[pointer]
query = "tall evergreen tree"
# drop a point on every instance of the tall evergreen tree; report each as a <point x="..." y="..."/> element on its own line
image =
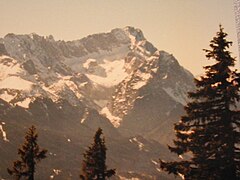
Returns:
<point x="30" y="154"/>
<point x="210" y="131"/>
<point x="94" y="162"/>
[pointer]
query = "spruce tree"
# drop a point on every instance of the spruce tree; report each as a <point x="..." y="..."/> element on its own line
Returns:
<point x="209" y="132"/>
<point x="30" y="154"/>
<point x="94" y="162"/>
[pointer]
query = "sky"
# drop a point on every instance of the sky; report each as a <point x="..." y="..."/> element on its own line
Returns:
<point x="180" y="27"/>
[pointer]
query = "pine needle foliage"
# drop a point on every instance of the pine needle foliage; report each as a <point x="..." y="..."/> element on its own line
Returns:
<point x="210" y="130"/>
<point x="94" y="162"/>
<point x="30" y="154"/>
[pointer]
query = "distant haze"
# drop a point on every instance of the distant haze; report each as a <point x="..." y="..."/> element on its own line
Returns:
<point x="180" y="27"/>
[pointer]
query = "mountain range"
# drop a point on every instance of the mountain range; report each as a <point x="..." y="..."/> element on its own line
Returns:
<point x="116" y="80"/>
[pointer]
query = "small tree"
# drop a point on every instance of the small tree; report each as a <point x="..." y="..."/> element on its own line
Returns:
<point x="210" y="130"/>
<point x="30" y="155"/>
<point x="94" y="162"/>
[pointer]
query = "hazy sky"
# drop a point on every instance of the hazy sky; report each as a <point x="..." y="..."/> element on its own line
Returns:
<point x="180" y="27"/>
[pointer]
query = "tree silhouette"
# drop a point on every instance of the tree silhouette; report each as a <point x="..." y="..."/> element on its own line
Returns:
<point x="209" y="132"/>
<point x="94" y="162"/>
<point x="30" y="155"/>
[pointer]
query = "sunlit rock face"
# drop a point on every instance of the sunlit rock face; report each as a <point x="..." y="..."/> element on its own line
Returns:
<point x="116" y="80"/>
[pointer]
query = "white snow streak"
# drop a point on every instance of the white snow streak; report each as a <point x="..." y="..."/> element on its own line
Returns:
<point x="4" y="134"/>
<point x="165" y="77"/>
<point x="89" y="62"/>
<point x="180" y="156"/>
<point x="187" y="132"/>
<point x="140" y="145"/>
<point x="113" y="119"/>
<point x="155" y="162"/>
<point x="85" y="115"/>
<point x="181" y="176"/>
<point x="139" y="84"/>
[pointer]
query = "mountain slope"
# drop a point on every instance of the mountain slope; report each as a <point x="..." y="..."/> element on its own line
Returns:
<point x="151" y="98"/>
<point x="117" y="80"/>
<point x="66" y="130"/>
<point x="100" y="57"/>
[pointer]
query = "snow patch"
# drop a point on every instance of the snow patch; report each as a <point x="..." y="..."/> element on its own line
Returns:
<point x="32" y="35"/>
<point x="165" y="77"/>
<point x="83" y="84"/>
<point x="7" y="97"/>
<point x="139" y="97"/>
<point x="89" y="62"/>
<point x="180" y="156"/>
<point x="140" y="144"/>
<point x="9" y="67"/>
<point x="155" y="162"/>
<point x="64" y="84"/>
<point x="154" y="70"/>
<point x="55" y="173"/>
<point x="111" y="55"/>
<point x="4" y="134"/>
<point x="85" y="115"/>
<point x="25" y="103"/>
<point x="113" y="119"/>
<point x="144" y="77"/>
<point x="14" y="82"/>
<point x="139" y="84"/>
<point x="115" y="73"/>
<point x="52" y="154"/>
<point x="187" y="132"/>
<point x="181" y="176"/>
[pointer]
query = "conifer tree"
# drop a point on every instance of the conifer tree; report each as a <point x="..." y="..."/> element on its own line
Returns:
<point x="30" y="154"/>
<point x="209" y="132"/>
<point x="94" y="162"/>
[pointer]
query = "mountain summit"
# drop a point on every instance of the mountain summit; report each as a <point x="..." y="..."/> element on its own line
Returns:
<point x="117" y="81"/>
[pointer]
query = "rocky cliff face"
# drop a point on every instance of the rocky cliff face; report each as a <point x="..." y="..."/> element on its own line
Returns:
<point x="117" y="80"/>
<point x="99" y="58"/>
<point x="152" y="99"/>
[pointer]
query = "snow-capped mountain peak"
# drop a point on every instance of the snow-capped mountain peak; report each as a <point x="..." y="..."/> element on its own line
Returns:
<point x="107" y="68"/>
<point x="135" y="35"/>
<point x="67" y="87"/>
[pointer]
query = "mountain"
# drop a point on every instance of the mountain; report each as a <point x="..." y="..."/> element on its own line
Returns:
<point x="151" y="99"/>
<point x="117" y="81"/>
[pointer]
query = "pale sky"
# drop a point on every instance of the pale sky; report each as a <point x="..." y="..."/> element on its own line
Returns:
<point x="180" y="27"/>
